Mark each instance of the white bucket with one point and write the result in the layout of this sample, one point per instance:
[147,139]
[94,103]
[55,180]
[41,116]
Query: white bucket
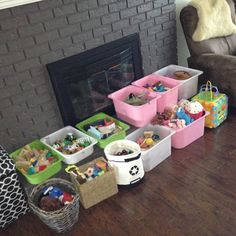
[128,168]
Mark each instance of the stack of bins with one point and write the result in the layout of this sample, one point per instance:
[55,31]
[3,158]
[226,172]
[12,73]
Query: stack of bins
[167,98]
[188,87]
[138,116]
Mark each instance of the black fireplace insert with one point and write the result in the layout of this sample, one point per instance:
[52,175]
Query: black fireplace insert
[82,82]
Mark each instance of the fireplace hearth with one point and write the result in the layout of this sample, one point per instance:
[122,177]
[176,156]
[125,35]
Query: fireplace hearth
[82,82]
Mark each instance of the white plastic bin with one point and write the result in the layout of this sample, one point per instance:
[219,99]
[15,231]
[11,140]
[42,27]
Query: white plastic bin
[160,151]
[128,168]
[61,134]
[189,87]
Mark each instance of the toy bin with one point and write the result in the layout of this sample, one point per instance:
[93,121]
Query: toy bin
[61,134]
[46,173]
[188,87]
[185,136]
[98,189]
[167,98]
[157,153]
[128,166]
[138,116]
[100,116]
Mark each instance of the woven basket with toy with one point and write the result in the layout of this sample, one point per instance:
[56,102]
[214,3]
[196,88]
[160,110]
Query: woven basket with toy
[94,181]
[56,203]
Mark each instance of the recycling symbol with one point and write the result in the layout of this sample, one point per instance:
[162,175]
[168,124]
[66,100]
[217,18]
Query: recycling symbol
[134,170]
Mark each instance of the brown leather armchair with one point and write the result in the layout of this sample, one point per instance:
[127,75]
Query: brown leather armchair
[216,57]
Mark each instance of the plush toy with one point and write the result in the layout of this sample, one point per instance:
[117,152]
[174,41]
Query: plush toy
[180,123]
[164,117]
[168,113]
[182,115]
[47,203]
[194,109]
[158,119]
[55,193]
[172,125]
[183,103]
[65,198]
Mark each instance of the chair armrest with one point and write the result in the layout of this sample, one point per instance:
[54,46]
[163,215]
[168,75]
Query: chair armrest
[209,61]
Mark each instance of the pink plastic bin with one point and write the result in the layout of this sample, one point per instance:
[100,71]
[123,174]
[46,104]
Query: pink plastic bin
[169,97]
[185,136]
[138,116]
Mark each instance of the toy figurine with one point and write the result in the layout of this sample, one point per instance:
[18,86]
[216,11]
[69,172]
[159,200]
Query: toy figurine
[136,99]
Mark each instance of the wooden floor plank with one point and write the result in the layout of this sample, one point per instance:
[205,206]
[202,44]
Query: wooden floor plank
[191,193]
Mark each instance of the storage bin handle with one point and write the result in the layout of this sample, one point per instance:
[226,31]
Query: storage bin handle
[133,158]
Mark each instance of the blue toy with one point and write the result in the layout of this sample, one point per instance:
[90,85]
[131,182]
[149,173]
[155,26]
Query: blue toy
[53,192]
[182,115]
[94,132]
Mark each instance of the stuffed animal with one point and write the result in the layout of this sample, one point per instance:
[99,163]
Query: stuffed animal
[180,123]
[182,115]
[48,203]
[168,113]
[183,103]
[194,109]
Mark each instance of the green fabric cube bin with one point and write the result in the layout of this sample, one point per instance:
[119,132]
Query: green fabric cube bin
[46,173]
[100,116]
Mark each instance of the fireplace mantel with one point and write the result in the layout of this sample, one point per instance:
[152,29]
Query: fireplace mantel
[13,3]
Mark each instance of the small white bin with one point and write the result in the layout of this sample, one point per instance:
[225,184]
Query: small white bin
[128,168]
[61,134]
[189,87]
[160,151]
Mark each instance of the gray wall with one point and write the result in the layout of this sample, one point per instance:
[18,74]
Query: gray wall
[36,34]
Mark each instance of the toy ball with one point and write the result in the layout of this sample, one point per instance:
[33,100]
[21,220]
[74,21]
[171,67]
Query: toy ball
[149,141]
[155,137]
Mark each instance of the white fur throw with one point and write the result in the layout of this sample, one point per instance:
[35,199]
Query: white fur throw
[214,19]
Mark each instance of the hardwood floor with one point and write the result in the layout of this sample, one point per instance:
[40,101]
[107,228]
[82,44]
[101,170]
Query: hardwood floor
[192,193]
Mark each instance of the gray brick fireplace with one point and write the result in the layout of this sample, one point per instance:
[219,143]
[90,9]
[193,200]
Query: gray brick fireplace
[34,35]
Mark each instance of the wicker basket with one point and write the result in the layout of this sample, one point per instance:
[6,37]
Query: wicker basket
[98,189]
[63,219]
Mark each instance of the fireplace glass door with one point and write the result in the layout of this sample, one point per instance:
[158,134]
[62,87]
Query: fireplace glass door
[83,82]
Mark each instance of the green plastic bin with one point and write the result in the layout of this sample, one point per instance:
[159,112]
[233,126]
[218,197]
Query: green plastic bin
[46,173]
[103,142]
